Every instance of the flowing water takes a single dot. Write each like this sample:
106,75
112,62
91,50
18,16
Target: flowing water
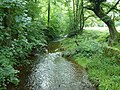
53,72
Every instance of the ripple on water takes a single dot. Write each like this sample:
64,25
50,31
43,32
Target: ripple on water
53,72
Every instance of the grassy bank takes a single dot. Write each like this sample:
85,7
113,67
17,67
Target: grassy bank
100,60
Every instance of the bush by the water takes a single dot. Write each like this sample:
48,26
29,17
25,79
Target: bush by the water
20,32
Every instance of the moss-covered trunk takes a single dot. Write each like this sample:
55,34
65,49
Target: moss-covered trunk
114,35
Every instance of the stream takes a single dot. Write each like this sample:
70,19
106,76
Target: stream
51,71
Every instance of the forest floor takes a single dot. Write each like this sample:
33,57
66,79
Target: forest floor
101,61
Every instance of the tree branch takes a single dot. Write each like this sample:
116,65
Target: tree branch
89,17
113,7
117,9
89,8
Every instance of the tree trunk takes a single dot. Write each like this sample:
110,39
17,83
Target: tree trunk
6,23
6,18
114,35
48,12
74,10
81,16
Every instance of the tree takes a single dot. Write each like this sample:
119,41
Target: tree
99,12
48,12
77,22
81,16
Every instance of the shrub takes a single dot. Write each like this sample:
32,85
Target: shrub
7,72
89,47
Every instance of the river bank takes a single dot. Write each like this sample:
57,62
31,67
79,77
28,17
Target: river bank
51,71
101,61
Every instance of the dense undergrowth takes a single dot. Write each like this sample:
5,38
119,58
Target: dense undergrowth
100,60
21,32
27,25
16,53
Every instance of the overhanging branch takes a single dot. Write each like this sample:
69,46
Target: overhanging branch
89,17
113,7
89,8
117,9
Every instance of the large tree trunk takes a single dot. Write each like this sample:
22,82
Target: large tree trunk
114,35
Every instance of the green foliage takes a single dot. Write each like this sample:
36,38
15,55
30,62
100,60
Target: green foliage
89,47
83,61
21,30
56,22
13,3
106,71
88,44
102,69
50,34
7,72
35,32
72,29
58,17
97,1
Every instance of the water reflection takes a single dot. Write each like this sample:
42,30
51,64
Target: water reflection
52,72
